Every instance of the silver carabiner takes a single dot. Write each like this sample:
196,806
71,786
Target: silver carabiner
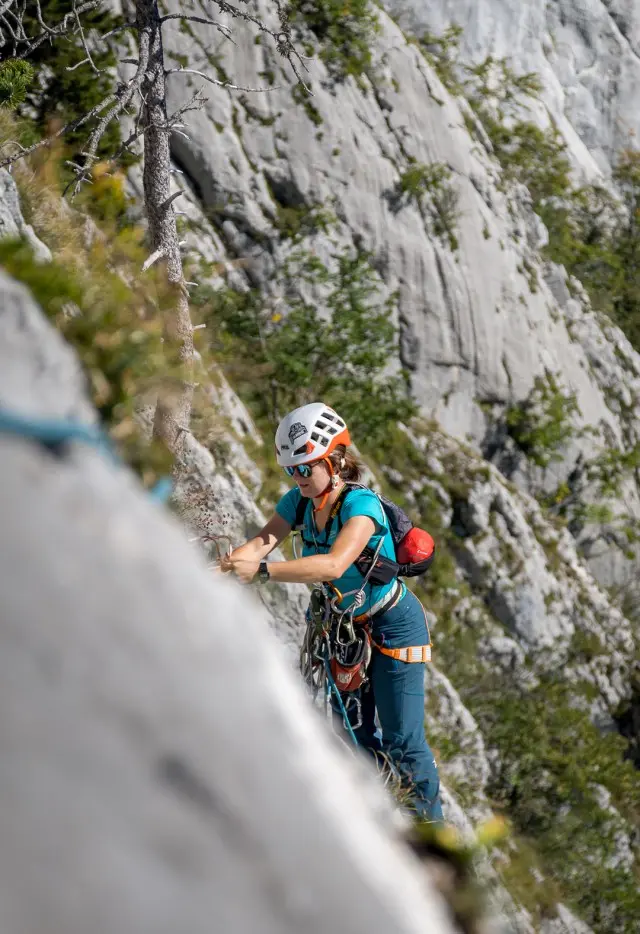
350,628
351,700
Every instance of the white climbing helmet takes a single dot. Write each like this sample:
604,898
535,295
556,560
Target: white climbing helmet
308,434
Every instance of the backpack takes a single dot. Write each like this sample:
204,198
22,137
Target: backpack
415,548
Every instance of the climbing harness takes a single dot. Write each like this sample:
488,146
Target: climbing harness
335,656
320,666
55,433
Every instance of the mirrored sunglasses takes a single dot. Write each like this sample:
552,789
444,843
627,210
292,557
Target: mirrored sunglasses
303,469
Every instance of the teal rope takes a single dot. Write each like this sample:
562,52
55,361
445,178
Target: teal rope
345,715
57,431
54,432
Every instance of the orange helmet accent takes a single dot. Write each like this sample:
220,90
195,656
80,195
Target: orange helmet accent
309,433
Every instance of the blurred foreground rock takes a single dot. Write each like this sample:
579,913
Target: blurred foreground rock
160,770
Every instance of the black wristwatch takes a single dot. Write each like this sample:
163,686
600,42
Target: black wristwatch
263,573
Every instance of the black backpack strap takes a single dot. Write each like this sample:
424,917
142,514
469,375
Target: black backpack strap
301,508
335,514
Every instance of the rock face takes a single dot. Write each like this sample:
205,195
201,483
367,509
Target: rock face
481,318
159,769
479,324
12,223
586,54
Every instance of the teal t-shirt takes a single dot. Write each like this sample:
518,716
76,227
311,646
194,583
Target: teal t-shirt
355,503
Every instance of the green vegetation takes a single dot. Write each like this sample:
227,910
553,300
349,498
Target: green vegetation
551,758
598,240
551,761
595,236
58,94
431,186
299,354
303,98
542,424
442,53
295,222
108,311
15,78
114,328
590,497
345,31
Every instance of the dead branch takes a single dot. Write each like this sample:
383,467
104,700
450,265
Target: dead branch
50,33
83,39
72,125
282,38
211,80
167,204
196,102
119,28
123,96
199,19
155,256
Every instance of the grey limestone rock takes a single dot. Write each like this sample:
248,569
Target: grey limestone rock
586,53
479,324
159,768
12,223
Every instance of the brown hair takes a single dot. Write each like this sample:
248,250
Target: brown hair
345,464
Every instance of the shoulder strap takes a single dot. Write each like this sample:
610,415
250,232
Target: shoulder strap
301,511
335,513
301,508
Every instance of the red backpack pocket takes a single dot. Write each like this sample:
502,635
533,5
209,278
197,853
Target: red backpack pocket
415,553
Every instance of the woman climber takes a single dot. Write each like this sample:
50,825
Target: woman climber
311,446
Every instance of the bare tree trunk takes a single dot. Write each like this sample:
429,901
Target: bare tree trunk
173,409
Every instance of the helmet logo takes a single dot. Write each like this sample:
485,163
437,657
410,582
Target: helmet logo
297,430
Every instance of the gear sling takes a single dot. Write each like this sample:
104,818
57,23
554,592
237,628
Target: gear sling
331,636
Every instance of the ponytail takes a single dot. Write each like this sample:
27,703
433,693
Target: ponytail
345,464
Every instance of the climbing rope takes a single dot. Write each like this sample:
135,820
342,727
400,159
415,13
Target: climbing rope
315,668
54,433
338,697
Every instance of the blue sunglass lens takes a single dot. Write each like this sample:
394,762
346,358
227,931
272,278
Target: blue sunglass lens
303,469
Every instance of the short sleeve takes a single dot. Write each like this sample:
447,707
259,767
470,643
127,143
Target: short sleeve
364,503
288,506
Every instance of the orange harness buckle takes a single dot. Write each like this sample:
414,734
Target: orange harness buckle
412,653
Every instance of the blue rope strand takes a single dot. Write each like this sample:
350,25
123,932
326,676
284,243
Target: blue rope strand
55,431
52,432
345,715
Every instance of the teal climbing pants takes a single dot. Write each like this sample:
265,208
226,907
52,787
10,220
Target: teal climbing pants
396,691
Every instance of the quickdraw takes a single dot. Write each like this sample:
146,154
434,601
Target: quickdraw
333,661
